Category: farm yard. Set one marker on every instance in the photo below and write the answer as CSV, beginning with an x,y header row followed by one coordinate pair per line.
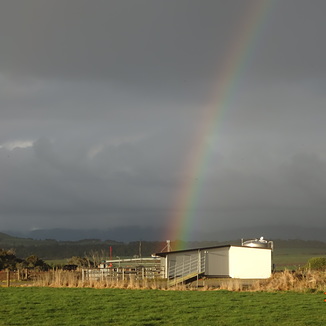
x,y
87,306
55,296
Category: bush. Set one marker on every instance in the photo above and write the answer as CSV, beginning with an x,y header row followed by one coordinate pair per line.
x,y
36,263
7,259
317,263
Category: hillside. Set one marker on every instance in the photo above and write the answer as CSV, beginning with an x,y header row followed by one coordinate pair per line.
x,y
136,233
287,253
53,249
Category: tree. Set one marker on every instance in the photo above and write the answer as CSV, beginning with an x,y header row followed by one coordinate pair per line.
x,y
79,261
7,259
37,263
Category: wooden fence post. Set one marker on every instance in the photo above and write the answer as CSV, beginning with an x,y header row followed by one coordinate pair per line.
x,y
8,278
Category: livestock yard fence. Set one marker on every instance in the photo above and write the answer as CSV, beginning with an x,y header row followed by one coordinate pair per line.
x,y
122,273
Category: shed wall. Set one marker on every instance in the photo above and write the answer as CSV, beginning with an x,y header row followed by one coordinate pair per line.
x,y
217,262
250,263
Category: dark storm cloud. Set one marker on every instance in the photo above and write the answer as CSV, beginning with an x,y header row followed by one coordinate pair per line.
x,y
120,40
293,48
155,41
101,103
56,179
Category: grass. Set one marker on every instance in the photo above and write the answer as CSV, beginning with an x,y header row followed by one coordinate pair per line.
x,y
85,306
56,262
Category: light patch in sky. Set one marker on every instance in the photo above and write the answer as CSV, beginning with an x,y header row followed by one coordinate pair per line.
x,y
114,142
17,144
94,151
118,141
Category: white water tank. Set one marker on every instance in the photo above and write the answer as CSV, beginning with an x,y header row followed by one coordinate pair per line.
x,y
258,243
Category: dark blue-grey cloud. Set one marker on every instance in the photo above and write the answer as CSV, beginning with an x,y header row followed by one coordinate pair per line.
x,y
101,104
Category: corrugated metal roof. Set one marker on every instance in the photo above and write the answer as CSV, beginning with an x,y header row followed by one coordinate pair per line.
x,y
165,253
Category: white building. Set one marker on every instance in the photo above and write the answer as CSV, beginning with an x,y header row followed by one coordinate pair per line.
x,y
230,261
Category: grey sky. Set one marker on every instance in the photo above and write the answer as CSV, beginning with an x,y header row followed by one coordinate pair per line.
x,y
100,103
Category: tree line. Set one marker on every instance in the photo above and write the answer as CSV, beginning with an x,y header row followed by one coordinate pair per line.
x,y
66,250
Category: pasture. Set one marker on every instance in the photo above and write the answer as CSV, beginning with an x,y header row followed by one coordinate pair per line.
x,y
294,258
89,306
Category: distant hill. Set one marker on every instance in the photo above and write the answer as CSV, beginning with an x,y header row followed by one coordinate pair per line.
x,y
120,234
284,232
137,233
7,241
53,249
5,236
287,252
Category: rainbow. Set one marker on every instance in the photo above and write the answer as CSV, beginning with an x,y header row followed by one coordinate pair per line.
x,y
238,57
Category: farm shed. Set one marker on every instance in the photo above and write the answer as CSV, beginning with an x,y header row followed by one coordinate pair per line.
x,y
241,262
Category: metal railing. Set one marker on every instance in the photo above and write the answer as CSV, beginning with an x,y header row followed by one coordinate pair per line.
x,y
190,266
123,273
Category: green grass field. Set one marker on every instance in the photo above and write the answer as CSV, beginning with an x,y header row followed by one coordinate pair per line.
x,y
293,258
56,262
82,306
